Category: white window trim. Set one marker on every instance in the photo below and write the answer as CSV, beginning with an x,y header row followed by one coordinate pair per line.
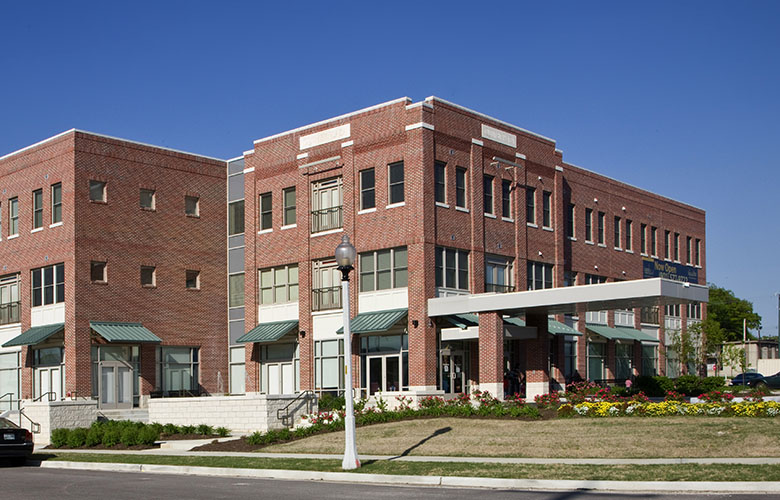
x,y
572,238
531,224
396,205
507,219
289,226
330,231
462,209
629,251
264,231
367,211
12,236
548,228
492,216
602,245
56,224
442,205
588,242
36,230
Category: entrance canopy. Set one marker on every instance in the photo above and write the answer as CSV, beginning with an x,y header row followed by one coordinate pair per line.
x,y
567,300
35,335
266,333
127,333
620,333
376,321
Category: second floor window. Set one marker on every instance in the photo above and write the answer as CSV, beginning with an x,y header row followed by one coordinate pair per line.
x,y
56,203
10,305
288,196
396,182
546,209
487,194
97,191
13,216
602,216
617,232
367,189
654,240
326,286
192,206
452,268
589,224
667,235
570,220
643,238
326,205
236,217
384,269
698,252
540,275
687,249
147,199
97,272
48,285
37,200
498,274
266,212
530,205
629,225
677,247
279,285
460,187
506,199
440,181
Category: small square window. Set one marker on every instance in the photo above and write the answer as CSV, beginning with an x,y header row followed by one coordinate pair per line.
x,y
148,276
97,272
192,206
97,191
193,280
147,199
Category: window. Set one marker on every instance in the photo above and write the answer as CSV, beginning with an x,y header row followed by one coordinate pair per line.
x,y
570,220
236,290
546,214
279,285
569,278
452,268
192,279
13,216
237,370
326,205
569,359
643,238
588,224
594,279
326,286
396,184
177,369
540,275
288,197
37,201
649,360
97,272
236,217
530,205
148,276
666,244
623,358
677,247
439,180
498,274
687,249
97,191
597,360
329,364
629,227
694,310
654,240
10,303
56,203
266,214
617,232
192,206
279,368
602,216
384,269
384,363
367,189
10,370
48,285
649,315
487,194
147,199
673,310
698,252
506,198
460,187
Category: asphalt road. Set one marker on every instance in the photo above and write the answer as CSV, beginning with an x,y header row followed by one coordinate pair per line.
x,y
35,483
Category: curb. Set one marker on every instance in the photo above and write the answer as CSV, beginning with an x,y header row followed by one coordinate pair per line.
x,y
442,481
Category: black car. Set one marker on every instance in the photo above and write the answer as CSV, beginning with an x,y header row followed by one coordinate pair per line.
x,y
746,378
16,443
770,381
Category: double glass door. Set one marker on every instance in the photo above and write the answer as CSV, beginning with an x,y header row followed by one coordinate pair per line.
x,y
453,373
116,385
384,374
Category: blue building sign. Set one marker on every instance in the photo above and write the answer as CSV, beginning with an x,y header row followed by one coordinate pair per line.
x,y
657,268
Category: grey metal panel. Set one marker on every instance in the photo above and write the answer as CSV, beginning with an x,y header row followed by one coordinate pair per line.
x,y
236,240
236,187
236,260
236,313
236,329
236,166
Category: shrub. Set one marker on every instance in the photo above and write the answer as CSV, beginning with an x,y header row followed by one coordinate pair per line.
x,y
170,429
674,396
551,400
94,435
187,429
655,387
709,384
204,429
222,431
330,402
111,436
129,436
688,385
566,411
77,438
148,435
59,437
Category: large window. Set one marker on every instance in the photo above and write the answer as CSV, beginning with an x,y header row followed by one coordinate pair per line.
x,y
487,194
460,187
589,224
326,286
236,290
440,181
48,373
10,303
540,275
236,217
629,226
237,370
384,363
597,360
546,209
177,369
9,380
279,285
649,360
367,189
288,197
498,274
384,269
329,365
326,205
602,217
530,205
506,199
13,216
452,268
654,241
266,212
643,238
37,202
617,232
623,361
48,285
279,368
649,315
56,203
396,184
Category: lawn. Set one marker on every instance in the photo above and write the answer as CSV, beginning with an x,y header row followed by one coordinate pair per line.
x,y
629,437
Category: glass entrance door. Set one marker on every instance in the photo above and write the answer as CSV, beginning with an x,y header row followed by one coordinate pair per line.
x,y
453,373
116,385
384,374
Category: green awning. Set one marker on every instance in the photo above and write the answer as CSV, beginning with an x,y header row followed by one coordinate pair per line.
x,y
35,335
376,321
558,328
269,332
131,333
463,321
620,333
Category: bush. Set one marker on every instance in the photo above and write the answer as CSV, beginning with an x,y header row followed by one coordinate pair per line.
x,y
170,429
187,429
77,438
94,435
655,387
709,384
222,431
329,402
111,436
688,385
59,437
148,435
129,436
205,429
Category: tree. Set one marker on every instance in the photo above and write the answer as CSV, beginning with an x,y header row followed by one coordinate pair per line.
x,y
725,313
734,356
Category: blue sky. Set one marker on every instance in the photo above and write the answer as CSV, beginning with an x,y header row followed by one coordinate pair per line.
x,y
680,98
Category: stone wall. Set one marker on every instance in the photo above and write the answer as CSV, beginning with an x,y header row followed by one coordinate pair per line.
x,y
57,414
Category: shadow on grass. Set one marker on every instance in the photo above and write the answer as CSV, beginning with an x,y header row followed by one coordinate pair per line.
x,y
437,432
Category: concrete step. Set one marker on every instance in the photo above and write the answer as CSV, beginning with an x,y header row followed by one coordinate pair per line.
x,y
136,415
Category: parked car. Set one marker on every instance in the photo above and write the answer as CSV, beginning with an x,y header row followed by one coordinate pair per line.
x,y
16,443
770,381
745,378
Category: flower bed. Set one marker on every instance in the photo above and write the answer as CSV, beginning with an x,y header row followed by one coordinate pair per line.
x,y
671,408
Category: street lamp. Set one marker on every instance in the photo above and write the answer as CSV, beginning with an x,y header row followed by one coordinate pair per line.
x,y
345,257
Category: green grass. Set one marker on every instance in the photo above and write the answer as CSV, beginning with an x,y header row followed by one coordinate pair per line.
x,y
687,472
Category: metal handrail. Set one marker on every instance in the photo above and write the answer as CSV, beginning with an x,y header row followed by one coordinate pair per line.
x,y
326,219
35,427
307,395
323,299
52,396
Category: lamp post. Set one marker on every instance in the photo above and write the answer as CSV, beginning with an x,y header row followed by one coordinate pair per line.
x,y
345,257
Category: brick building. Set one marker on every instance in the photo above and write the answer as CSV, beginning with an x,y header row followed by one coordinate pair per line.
x,y
112,271
440,200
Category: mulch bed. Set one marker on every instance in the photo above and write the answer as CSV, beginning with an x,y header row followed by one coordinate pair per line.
x,y
102,447
182,437
239,444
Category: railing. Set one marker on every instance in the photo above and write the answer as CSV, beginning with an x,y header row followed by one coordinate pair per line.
x,y
326,219
35,427
495,288
10,396
283,414
10,312
323,299
52,396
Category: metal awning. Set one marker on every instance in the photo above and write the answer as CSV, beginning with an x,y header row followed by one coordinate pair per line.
x,y
265,333
35,335
620,333
463,321
130,333
553,326
375,321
